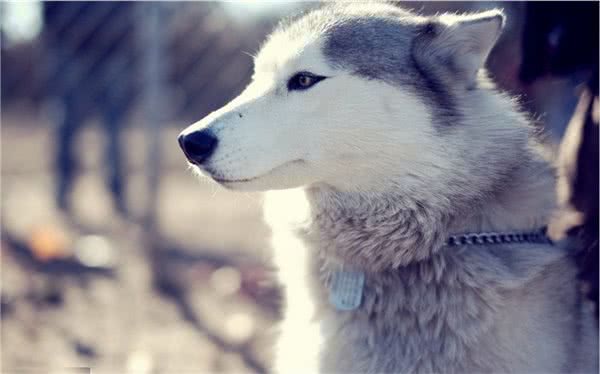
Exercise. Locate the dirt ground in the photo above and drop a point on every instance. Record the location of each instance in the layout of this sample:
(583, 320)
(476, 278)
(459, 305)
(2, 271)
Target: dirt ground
(92, 289)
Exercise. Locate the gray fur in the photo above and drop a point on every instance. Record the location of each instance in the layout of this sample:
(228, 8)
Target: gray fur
(397, 40)
(427, 308)
(430, 309)
(398, 37)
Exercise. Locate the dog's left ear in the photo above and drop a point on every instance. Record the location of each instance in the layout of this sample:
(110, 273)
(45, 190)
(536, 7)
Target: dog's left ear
(464, 41)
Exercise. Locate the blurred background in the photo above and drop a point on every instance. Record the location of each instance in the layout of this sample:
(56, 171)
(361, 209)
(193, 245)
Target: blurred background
(114, 257)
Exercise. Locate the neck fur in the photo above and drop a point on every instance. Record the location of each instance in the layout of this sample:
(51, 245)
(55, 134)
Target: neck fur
(378, 232)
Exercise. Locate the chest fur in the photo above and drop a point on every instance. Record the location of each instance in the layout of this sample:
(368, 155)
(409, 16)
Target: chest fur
(421, 318)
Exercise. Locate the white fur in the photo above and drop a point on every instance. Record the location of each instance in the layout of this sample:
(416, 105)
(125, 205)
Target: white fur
(321, 127)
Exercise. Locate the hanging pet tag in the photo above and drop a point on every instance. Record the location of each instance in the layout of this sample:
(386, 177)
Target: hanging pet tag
(346, 289)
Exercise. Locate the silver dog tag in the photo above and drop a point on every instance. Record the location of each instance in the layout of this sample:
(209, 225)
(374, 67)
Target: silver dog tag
(346, 289)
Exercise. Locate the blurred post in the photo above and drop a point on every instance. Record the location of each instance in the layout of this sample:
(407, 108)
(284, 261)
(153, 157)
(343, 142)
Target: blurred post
(154, 99)
(152, 40)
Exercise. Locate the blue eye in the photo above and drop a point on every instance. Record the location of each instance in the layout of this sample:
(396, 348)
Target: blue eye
(303, 81)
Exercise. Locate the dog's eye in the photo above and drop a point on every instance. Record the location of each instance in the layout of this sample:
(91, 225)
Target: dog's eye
(304, 80)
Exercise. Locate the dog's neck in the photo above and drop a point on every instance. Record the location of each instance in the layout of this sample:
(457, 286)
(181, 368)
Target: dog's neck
(373, 233)
(379, 232)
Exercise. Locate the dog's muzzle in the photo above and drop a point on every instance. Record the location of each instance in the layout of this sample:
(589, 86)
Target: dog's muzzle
(198, 145)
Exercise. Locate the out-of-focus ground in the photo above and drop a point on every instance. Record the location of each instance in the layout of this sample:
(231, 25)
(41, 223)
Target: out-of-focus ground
(217, 317)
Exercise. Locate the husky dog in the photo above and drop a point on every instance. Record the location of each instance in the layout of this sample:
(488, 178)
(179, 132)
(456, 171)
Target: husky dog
(385, 139)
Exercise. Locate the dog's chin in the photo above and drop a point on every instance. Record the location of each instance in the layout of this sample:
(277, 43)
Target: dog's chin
(281, 177)
(254, 185)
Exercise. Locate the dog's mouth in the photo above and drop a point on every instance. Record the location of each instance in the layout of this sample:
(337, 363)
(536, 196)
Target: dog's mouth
(228, 181)
(225, 181)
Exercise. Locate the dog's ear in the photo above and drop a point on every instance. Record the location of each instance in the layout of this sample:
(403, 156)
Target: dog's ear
(463, 42)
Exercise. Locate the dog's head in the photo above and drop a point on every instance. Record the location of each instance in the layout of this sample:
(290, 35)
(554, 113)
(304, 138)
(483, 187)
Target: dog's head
(347, 95)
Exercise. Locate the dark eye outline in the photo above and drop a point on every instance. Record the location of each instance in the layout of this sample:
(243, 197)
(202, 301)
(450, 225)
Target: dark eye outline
(303, 81)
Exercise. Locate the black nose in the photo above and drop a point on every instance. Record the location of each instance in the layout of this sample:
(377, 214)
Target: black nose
(198, 145)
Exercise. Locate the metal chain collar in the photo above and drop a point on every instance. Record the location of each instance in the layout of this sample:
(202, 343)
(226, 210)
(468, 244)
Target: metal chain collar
(538, 236)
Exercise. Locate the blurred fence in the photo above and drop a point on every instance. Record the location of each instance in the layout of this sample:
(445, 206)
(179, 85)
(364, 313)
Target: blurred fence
(147, 63)
(100, 47)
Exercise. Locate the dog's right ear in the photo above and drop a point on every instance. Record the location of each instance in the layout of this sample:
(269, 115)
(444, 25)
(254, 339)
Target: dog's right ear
(463, 42)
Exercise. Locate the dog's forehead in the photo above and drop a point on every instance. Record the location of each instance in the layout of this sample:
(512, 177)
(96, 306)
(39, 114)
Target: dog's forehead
(378, 47)
(292, 41)
(283, 52)
(367, 39)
